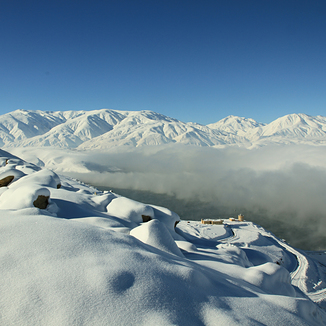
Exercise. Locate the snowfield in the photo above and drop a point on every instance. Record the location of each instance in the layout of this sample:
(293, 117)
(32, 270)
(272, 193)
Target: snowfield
(72, 255)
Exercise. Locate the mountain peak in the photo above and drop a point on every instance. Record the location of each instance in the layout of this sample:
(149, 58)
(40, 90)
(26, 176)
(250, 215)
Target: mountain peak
(106, 128)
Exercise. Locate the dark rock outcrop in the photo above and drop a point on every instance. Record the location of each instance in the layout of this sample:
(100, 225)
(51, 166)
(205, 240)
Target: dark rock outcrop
(41, 202)
(146, 218)
(5, 181)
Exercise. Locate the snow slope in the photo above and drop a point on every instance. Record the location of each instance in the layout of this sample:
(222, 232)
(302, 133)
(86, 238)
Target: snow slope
(103, 129)
(96, 258)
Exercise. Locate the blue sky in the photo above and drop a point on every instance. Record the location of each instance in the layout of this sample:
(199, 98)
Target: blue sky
(192, 60)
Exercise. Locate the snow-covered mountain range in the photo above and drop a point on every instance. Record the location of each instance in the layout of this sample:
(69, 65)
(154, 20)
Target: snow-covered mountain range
(103, 129)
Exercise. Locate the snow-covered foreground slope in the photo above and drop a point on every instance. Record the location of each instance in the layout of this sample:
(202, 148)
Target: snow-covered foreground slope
(104, 129)
(71, 255)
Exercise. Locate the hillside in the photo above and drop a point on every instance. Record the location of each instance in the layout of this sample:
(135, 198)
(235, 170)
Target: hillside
(73, 255)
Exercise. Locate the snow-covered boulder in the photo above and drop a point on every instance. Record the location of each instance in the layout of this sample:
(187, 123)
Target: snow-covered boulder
(26, 196)
(137, 212)
(130, 210)
(45, 177)
(9, 175)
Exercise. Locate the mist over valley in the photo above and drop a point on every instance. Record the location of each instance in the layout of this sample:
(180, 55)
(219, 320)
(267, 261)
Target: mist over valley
(275, 174)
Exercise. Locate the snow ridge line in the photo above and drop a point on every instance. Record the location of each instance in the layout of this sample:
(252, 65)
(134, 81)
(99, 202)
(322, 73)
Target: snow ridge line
(103, 129)
(299, 274)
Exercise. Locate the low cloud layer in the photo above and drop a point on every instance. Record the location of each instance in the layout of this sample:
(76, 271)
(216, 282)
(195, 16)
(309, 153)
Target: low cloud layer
(278, 182)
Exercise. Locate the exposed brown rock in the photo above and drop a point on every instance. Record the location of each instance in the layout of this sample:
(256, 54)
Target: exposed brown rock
(58, 185)
(146, 218)
(41, 202)
(5, 181)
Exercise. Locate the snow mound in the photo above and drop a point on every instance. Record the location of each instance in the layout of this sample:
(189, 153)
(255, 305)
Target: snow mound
(23, 197)
(155, 234)
(130, 210)
(136, 213)
(272, 278)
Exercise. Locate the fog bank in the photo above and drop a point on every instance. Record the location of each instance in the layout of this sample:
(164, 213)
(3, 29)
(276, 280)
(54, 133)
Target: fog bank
(279, 182)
